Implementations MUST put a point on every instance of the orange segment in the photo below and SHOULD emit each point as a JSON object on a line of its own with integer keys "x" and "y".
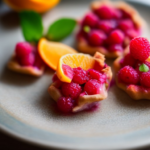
{"x": 84, "y": 61}
{"x": 51, "y": 52}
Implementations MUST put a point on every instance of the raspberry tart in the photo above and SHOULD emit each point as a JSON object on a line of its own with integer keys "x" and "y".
{"x": 26, "y": 60}
{"x": 80, "y": 82}
{"x": 108, "y": 28}
{"x": 133, "y": 69}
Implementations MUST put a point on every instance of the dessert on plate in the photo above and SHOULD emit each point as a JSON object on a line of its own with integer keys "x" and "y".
{"x": 80, "y": 82}
{"x": 108, "y": 28}
{"x": 26, "y": 60}
{"x": 133, "y": 69}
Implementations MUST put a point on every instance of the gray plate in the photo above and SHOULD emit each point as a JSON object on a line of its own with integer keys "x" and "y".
{"x": 27, "y": 112}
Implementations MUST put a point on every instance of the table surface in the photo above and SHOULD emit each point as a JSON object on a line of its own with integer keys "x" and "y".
{"x": 9, "y": 143}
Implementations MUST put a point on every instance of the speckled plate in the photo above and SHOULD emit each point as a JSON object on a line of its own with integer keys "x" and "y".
{"x": 27, "y": 112}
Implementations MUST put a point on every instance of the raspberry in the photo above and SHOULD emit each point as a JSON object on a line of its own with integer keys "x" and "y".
{"x": 140, "y": 48}
{"x": 97, "y": 75}
{"x": 106, "y": 26}
{"x": 38, "y": 61}
{"x": 145, "y": 79}
{"x": 105, "y": 12}
{"x": 27, "y": 60}
{"x": 90, "y": 19}
{"x": 139, "y": 63}
{"x": 80, "y": 76}
{"x": 115, "y": 47}
{"x": 65, "y": 104}
{"x": 68, "y": 71}
{"x": 92, "y": 87}
{"x": 72, "y": 90}
{"x": 96, "y": 38}
{"x": 128, "y": 61}
{"x": 23, "y": 49}
{"x": 128, "y": 75}
{"x": 116, "y": 37}
{"x": 117, "y": 14}
{"x": 132, "y": 33}
{"x": 125, "y": 25}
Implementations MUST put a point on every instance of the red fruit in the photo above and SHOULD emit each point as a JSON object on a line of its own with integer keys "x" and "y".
{"x": 27, "y": 60}
{"x": 23, "y": 49}
{"x": 132, "y": 33}
{"x": 117, "y": 14}
{"x": 115, "y": 47}
{"x": 54, "y": 78}
{"x": 65, "y": 104}
{"x": 105, "y": 12}
{"x": 97, "y": 75}
{"x": 128, "y": 75}
{"x": 38, "y": 61}
{"x": 128, "y": 61}
{"x": 116, "y": 37}
{"x": 96, "y": 38}
{"x": 92, "y": 87}
{"x": 72, "y": 90}
{"x": 139, "y": 63}
{"x": 145, "y": 79}
{"x": 68, "y": 71}
{"x": 126, "y": 24}
{"x": 140, "y": 48}
{"x": 80, "y": 76}
{"x": 90, "y": 20}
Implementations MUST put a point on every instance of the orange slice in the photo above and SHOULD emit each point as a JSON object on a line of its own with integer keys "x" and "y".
{"x": 51, "y": 52}
{"x": 84, "y": 61}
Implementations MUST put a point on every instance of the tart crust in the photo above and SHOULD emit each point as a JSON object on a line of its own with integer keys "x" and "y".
{"x": 83, "y": 45}
{"x": 15, "y": 66}
{"x": 136, "y": 92}
{"x": 85, "y": 100}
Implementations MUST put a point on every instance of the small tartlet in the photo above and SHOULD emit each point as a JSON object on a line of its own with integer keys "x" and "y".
{"x": 82, "y": 43}
{"x": 83, "y": 100}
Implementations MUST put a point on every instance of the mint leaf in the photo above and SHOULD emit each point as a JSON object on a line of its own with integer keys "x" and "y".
{"x": 86, "y": 29}
{"x": 144, "y": 68}
{"x": 31, "y": 24}
{"x": 60, "y": 29}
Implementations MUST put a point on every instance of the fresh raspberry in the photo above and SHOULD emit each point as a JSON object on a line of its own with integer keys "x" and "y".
{"x": 128, "y": 60}
{"x": 92, "y": 87}
{"x": 27, "y": 60}
{"x": 126, "y": 24}
{"x": 132, "y": 33}
{"x": 72, "y": 90}
{"x": 97, "y": 75}
{"x": 105, "y": 12}
{"x": 98, "y": 67}
{"x": 145, "y": 79}
{"x": 125, "y": 15}
{"x": 115, "y": 47}
{"x": 80, "y": 76}
{"x": 128, "y": 75}
{"x": 116, "y": 37}
{"x": 139, "y": 63}
{"x": 68, "y": 71}
{"x": 140, "y": 48}
{"x": 106, "y": 26}
{"x": 117, "y": 14}
{"x": 90, "y": 19}
{"x": 96, "y": 38}
{"x": 23, "y": 49}
{"x": 65, "y": 104}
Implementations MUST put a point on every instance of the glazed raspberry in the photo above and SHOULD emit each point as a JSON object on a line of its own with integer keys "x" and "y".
{"x": 27, "y": 60}
{"x": 96, "y": 38}
{"x": 90, "y": 19}
{"x": 125, "y": 25}
{"x": 80, "y": 76}
{"x": 145, "y": 79}
{"x": 115, "y": 47}
{"x": 131, "y": 33}
{"x": 97, "y": 75}
{"x": 105, "y": 12}
{"x": 23, "y": 48}
{"x": 140, "y": 48}
{"x": 65, "y": 104}
{"x": 128, "y": 75}
{"x": 116, "y": 37}
{"x": 128, "y": 60}
{"x": 92, "y": 87}
{"x": 71, "y": 90}
{"x": 68, "y": 71}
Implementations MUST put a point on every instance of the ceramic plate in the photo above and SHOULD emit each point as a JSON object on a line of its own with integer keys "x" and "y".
{"x": 27, "y": 112}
